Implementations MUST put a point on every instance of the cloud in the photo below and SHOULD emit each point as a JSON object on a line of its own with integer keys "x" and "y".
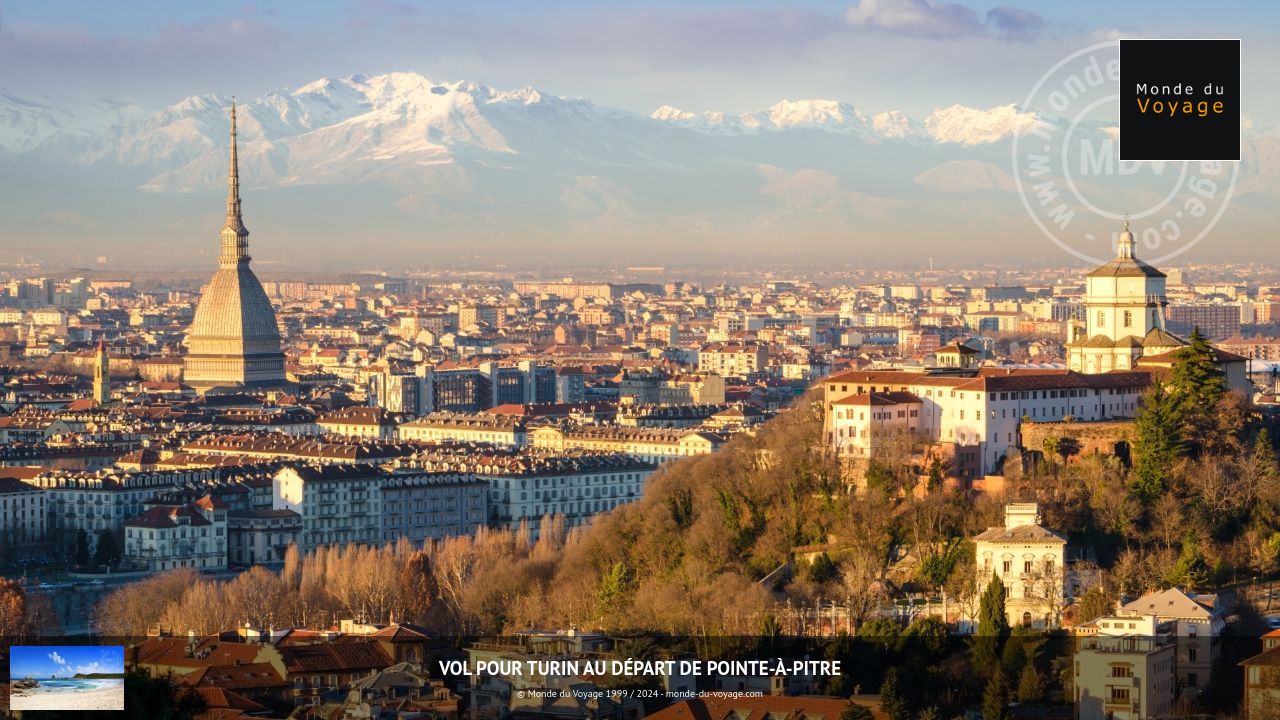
{"x": 54, "y": 656}
{"x": 94, "y": 667}
{"x": 366, "y": 14}
{"x": 1013, "y": 23}
{"x": 917, "y": 18}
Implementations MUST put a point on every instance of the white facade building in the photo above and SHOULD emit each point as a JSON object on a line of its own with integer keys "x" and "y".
{"x": 23, "y": 514}
{"x": 191, "y": 535}
{"x": 339, "y": 504}
{"x": 1125, "y": 671}
{"x": 1029, "y": 560}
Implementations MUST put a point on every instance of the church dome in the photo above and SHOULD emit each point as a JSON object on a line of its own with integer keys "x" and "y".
{"x": 1125, "y": 263}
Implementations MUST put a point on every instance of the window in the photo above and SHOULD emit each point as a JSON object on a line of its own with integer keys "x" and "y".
{"x": 1008, "y": 565}
{"x": 1026, "y": 567}
{"x": 1122, "y": 671}
{"x": 1119, "y": 694}
{"x": 1102, "y": 317}
{"x": 1128, "y": 318}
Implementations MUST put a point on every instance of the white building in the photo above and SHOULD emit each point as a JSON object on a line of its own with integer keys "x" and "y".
{"x": 526, "y": 488}
{"x": 1125, "y": 671}
{"x": 339, "y": 504}
{"x": 1028, "y": 559}
{"x": 732, "y": 359}
{"x": 1197, "y": 623}
{"x": 655, "y": 445}
{"x": 172, "y": 536}
{"x": 975, "y": 413}
{"x": 22, "y": 514}
{"x": 507, "y": 430}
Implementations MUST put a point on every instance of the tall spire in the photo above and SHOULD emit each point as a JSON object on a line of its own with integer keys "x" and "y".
{"x": 235, "y": 236}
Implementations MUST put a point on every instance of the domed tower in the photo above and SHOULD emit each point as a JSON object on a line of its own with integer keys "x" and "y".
{"x": 234, "y": 340}
{"x": 1124, "y": 314}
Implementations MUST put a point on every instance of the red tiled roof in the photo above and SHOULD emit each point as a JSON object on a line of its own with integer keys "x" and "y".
{"x": 326, "y": 657}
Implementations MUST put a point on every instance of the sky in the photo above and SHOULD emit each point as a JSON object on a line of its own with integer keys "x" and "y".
{"x": 44, "y": 661}
{"x": 913, "y": 56}
{"x": 909, "y": 55}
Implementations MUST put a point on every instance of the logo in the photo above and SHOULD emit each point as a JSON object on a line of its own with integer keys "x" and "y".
{"x": 1071, "y": 180}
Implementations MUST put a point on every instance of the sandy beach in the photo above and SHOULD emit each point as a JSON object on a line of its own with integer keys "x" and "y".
{"x": 104, "y": 698}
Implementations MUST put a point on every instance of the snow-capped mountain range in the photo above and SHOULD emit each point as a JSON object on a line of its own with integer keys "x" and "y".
{"x": 356, "y": 128}
{"x": 463, "y": 159}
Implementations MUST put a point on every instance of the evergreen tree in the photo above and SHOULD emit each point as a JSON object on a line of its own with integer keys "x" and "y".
{"x": 1196, "y": 377}
{"x": 993, "y": 626}
{"x": 854, "y": 711}
{"x": 1198, "y": 384}
{"x": 82, "y": 548}
{"x": 995, "y": 700}
{"x": 822, "y": 569}
{"x": 107, "y": 553}
{"x": 1030, "y": 688}
{"x": 893, "y": 700}
{"x": 1159, "y": 427}
{"x": 1190, "y": 571}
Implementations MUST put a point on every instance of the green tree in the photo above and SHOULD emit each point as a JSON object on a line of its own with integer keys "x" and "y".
{"x": 993, "y": 626}
{"x": 1198, "y": 384}
{"x": 1159, "y": 427}
{"x": 108, "y": 551}
{"x": 927, "y": 635}
{"x": 1095, "y": 603}
{"x": 822, "y": 569}
{"x": 82, "y": 548}
{"x": 1190, "y": 571}
{"x": 1030, "y": 688}
{"x": 615, "y": 588}
{"x": 1051, "y": 448}
{"x": 893, "y": 701}
{"x": 995, "y": 699}
{"x": 854, "y": 711}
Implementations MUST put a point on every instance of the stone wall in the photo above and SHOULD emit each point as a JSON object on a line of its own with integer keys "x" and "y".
{"x": 1111, "y": 437}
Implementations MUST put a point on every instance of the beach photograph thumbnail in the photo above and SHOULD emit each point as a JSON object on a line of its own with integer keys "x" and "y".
{"x": 66, "y": 677}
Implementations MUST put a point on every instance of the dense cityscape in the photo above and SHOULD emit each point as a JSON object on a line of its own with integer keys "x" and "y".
{"x": 288, "y": 495}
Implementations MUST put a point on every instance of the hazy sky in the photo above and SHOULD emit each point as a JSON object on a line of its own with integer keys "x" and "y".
{"x": 910, "y": 55}
{"x": 879, "y": 55}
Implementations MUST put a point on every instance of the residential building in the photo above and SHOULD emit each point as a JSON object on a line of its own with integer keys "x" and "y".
{"x": 426, "y": 506}
{"x": 260, "y": 535}
{"x": 649, "y": 444}
{"x": 359, "y": 422}
{"x": 23, "y": 514}
{"x": 506, "y": 430}
{"x": 576, "y": 486}
{"x": 1029, "y": 561}
{"x": 1125, "y": 671}
{"x": 339, "y": 504}
{"x": 168, "y": 536}
{"x": 1197, "y": 621}
{"x": 1262, "y": 680}
{"x": 733, "y": 359}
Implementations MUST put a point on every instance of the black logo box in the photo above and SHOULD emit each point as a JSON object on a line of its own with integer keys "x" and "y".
{"x": 1187, "y": 68}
